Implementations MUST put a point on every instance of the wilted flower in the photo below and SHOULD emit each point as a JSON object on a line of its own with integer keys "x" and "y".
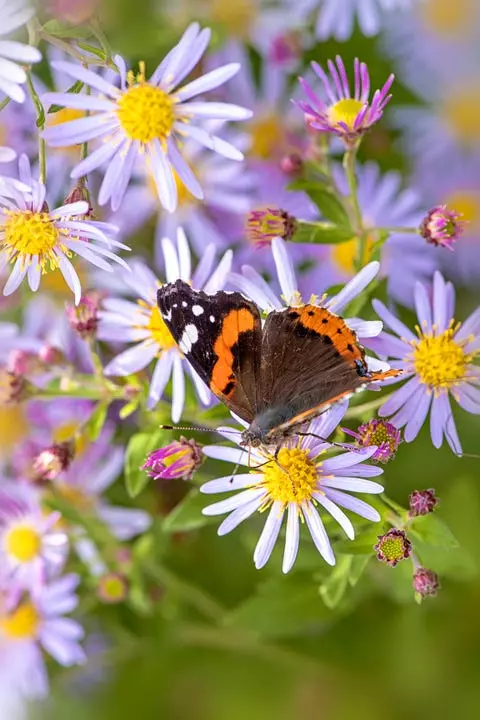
{"x": 340, "y": 113}
{"x": 112, "y": 588}
{"x": 442, "y": 227}
{"x": 380, "y": 433}
{"x": 393, "y": 547}
{"x": 13, "y": 387}
{"x": 264, "y": 224}
{"x": 425, "y": 582}
{"x": 83, "y": 318}
{"x": 180, "y": 459}
{"x": 422, "y": 502}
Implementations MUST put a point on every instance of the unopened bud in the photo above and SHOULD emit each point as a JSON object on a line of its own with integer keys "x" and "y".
{"x": 24, "y": 362}
{"x": 442, "y": 227}
{"x": 422, "y": 502}
{"x": 291, "y": 164}
{"x": 50, "y": 355}
{"x": 425, "y": 582}
{"x": 52, "y": 461}
{"x": 265, "y": 224}
{"x": 393, "y": 547}
{"x": 80, "y": 194}
{"x": 180, "y": 459}
{"x": 73, "y": 11}
{"x": 83, "y": 318}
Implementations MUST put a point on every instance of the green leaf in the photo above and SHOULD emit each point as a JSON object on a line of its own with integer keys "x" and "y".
{"x": 321, "y": 233}
{"x": 333, "y": 589}
{"x": 330, "y": 205}
{"x": 93, "y": 50}
{"x": 187, "y": 515}
{"x": 93, "y": 426}
{"x": 55, "y": 28}
{"x": 74, "y": 89}
{"x": 357, "y": 568}
{"x": 433, "y": 531}
{"x": 137, "y": 450}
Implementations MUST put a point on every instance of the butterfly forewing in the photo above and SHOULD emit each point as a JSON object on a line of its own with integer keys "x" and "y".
{"x": 220, "y": 336}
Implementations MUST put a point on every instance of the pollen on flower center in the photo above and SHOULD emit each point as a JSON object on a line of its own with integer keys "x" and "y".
{"x": 293, "y": 478}
{"x": 30, "y": 233}
{"x": 344, "y": 111}
{"x": 22, "y": 623}
{"x": 23, "y": 543}
{"x": 440, "y": 361}
{"x": 146, "y": 113}
{"x": 159, "y": 331}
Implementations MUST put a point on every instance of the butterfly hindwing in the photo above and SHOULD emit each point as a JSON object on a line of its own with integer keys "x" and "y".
{"x": 220, "y": 336}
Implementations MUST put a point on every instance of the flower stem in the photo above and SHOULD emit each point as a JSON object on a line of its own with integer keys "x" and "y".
{"x": 349, "y": 167}
{"x": 40, "y": 113}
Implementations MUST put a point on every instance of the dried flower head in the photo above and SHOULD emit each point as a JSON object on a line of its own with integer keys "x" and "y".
{"x": 393, "y": 547}
{"x": 83, "y": 318}
{"x": 265, "y": 224}
{"x": 381, "y": 433}
{"x": 422, "y": 502}
{"x": 442, "y": 227}
{"x": 425, "y": 582}
{"x": 52, "y": 461}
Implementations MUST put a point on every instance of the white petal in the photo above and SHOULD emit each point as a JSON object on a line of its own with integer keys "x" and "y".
{"x": 318, "y": 533}
{"x": 292, "y": 538}
{"x": 269, "y": 535}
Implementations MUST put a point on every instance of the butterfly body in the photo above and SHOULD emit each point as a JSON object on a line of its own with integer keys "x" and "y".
{"x": 275, "y": 376}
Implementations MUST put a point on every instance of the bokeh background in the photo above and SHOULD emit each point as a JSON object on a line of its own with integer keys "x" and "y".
{"x": 217, "y": 639}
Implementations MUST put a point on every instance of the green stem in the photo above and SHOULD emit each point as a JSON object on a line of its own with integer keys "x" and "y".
{"x": 359, "y": 410}
{"x": 81, "y": 393}
{"x": 40, "y": 113}
{"x": 4, "y": 103}
{"x": 349, "y": 166}
{"x": 409, "y": 230}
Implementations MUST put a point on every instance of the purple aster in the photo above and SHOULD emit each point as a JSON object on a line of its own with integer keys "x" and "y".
{"x": 335, "y": 18}
{"x": 254, "y": 286}
{"x": 438, "y": 362}
{"x": 147, "y": 118}
{"x": 13, "y": 15}
{"x": 36, "y": 240}
{"x": 313, "y": 485}
{"x": 180, "y": 459}
{"x": 442, "y": 227}
{"x": 341, "y": 113}
{"x": 380, "y": 433}
{"x": 140, "y": 322}
{"x": 36, "y": 622}
{"x": 31, "y": 546}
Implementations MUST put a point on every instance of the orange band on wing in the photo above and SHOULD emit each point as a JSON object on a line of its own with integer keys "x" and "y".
{"x": 234, "y": 324}
{"x": 326, "y": 323}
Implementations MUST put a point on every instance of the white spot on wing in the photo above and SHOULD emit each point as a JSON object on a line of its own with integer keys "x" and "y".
{"x": 212, "y": 319}
{"x": 184, "y": 304}
{"x": 197, "y": 310}
{"x": 189, "y": 338}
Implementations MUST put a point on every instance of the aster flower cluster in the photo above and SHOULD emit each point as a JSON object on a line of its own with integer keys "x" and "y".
{"x": 236, "y": 172}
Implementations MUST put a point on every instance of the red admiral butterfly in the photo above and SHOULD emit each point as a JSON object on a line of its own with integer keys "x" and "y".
{"x": 275, "y": 377}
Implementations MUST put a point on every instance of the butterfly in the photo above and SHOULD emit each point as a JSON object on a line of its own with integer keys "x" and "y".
{"x": 275, "y": 376}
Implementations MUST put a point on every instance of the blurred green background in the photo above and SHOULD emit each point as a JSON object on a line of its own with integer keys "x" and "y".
{"x": 223, "y": 641}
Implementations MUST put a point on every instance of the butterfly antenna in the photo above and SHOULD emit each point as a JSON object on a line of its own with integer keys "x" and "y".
{"x": 196, "y": 428}
{"x": 342, "y": 446}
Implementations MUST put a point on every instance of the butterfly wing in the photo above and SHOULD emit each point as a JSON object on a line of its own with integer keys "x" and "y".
{"x": 220, "y": 336}
{"x": 310, "y": 360}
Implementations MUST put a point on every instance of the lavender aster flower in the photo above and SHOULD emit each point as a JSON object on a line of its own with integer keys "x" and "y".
{"x": 437, "y": 362}
{"x": 180, "y": 459}
{"x": 14, "y": 14}
{"x": 147, "y": 117}
{"x": 346, "y": 116}
{"x": 7, "y": 154}
{"x": 37, "y": 240}
{"x": 442, "y": 227}
{"x": 312, "y": 484}
{"x": 140, "y": 322}
{"x": 34, "y": 622}
{"x": 380, "y": 433}
{"x": 337, "y": 19}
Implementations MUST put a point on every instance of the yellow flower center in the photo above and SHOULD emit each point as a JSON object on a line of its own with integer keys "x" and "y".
{"x": 447, "y": 18}
{"x": 13, "y": 428}
{"x": 268, "y": 137}
{"x": 236, "y": 17}
{"x": 440, "y": 361}
{"x": 159, "y": 331}
{"x": 22, "y": 623}
{"x": 293, "y": 478}
{"x": 31, "y": 233}
{"x": 112, "y": 588}
{"x": 468, "y": 204}
{"x": 23, "y": 543}
{"x": 63, "y": 116}
{"x": 344, "y": 254}
{"x": 146, "y": 113}
{"x": 344, "y": 111}
{"x": 70, "y": 431}
{"x": 462, "y": 113}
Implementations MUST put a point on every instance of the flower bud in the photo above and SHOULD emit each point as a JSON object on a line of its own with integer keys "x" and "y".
{"x": 13, "y": 387}
{"x": 381, "y": 433}
{"x": 73, "y": 11}
{"x": 52, "y": 461}
{"x": 393, "y": 547}
{"x": 265, "y": 224}
{"x": 422, "y": 502}
{"x": 83, "y": 318}
{"x": 79, "y": 193}
{"x": 180, "y": 459}
{"x": 442, "y": 227}
{"x": 425, "y": 582}
{"x": 24, "y": 362}
{"x": 50, "y": 355}
{"x": 291, "y": 164}
{"x": 112, "y": 588}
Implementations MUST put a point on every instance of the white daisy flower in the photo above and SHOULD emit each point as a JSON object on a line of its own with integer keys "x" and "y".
{"x": 14, "y": 14}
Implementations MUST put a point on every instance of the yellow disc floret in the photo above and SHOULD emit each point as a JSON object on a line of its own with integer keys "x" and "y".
{"x": 23, "y": 543}
{"x": 31, "y": 233}
{"x": 159, "y": 331}
{"x": 146, "y": 113}
{"x": 292, "y": 477}
{"x": 344, "y": 111}
{"x": 439, "y": 360}
{"x": 22, "y": 623}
